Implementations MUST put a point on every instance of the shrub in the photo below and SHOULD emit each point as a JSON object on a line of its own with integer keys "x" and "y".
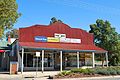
{"x": 76, "y": 70}
{"x": 66, "y": 72}
{"x": 98, "y": 70}
{"x": 112, "y": 70}
{"x": 102, "y": 71}
{"x": 84, "y": 71}
{"x": 91, "y": 71}
{"x": 117, "y": 69}
{"x": 60, "y": 74}
{"x": 118, "y": 72}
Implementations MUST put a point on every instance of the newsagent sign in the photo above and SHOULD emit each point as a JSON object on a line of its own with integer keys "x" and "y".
{"x": 57, "y": 38}
{"x": 40, "y": 39}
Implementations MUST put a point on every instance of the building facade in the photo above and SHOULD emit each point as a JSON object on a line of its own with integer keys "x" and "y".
{"x": 59, "y": 47}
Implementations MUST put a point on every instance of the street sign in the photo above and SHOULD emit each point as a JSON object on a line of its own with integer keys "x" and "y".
{"x": 37, "y": 54}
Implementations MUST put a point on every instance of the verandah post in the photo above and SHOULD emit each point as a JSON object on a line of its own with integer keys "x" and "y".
{"x": 22, "y": 60}
{"x": 93, "y": 59}
{"x": 42, "y": 61}
{"x": 77, "y": 59}
{"x": 61, "y": 61}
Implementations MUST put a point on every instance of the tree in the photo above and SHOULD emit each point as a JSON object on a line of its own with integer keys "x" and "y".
{"x": 107, "y": 38}
{"x": 8, "y": 15}
{"x": 53, "y": 20}
{"x": 13, "y": 33}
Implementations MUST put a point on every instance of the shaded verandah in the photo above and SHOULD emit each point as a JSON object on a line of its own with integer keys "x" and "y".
{"x": 61, "y": 52}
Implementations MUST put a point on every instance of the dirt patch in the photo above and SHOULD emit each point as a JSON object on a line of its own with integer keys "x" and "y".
{"x": 76, "y": 75}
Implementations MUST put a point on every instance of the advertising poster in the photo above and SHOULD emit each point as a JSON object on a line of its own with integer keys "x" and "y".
{"x": 52, "y": 39}
{"x": 66, "y": 40}
{"x": 75, "y": 40}
{"x": 40, "y": 39}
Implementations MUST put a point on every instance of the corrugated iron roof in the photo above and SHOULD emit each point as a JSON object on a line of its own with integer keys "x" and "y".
{"x": 27, "y": 34}
{"x": 61, "y": 46}
{"x": 26, "y": 37}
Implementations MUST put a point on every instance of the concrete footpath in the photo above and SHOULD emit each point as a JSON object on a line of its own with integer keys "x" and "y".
{"x": 44, "y": 76}
{"x": 28, "y": 75}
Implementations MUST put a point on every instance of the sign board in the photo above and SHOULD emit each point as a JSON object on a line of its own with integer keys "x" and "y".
{"x": 75, "y": 40}
{"x": 40, "y": 39}
{"x": 66, "y": 40}
{"x": 57, "y": 38}
{"x": 37, "y": 54}
{"x": 52, "y": 39}
{"x": 60, "y": 35}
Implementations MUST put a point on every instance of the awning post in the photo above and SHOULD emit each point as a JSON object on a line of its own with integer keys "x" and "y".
{"x": 22, "y": 60}
{"x": 4, "y": 54}
{"x": 93, "y": 59}
{"x": 61, "y": 61}
{"x": 77, "y": 59}
{"x": 42, "y": 61}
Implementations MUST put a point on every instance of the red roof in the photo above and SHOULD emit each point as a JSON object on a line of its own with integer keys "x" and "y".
{"x": 26, "y": 37}
{"x": 61, "y": 46}
{"x": 27, "y": 34}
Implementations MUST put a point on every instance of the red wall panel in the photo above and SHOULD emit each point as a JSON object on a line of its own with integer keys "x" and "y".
{"x": 27, "y": 34}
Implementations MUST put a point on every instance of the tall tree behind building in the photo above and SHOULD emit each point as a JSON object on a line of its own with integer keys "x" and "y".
{"x": 8, "y": 15}
{"x": 107, "y": 38}
{"x": 53, "y": 20}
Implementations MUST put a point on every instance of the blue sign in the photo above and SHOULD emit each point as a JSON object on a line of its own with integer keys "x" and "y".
{"x": 40, "y": 39}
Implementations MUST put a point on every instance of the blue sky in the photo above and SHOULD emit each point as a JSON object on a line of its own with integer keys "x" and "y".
{"x": 76, "y": 13}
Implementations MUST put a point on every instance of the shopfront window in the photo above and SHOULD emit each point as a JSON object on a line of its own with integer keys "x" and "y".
{"x": 88, "y": 59}
{"x": 71, "y": 60}
{"x": 30, "y": 60}
{"x": 85, "y": 59}
{"x": 82, "y": 59}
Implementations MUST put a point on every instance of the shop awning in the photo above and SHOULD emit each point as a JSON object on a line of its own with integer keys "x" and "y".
{"x": 2, "y": 51}
{"x": 62, "y": 46}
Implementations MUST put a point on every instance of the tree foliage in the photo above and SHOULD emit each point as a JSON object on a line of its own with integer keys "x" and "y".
{"x": 13, "y": 33}
{"x": 107, "y": 38}
{"x": 8, "y": 14}
{"x": 53, "y": 20}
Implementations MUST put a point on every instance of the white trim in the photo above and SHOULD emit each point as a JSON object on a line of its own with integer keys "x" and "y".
{"x": 77, "y": 59}
{"x": 93, "y": 59}
{"x": 42, "y": 60}
{"x": 22, "y": 60}
{"x": 61, "y": 61}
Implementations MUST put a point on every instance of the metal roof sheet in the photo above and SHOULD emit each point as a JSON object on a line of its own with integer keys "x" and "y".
{"x": 61, "y": 46}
